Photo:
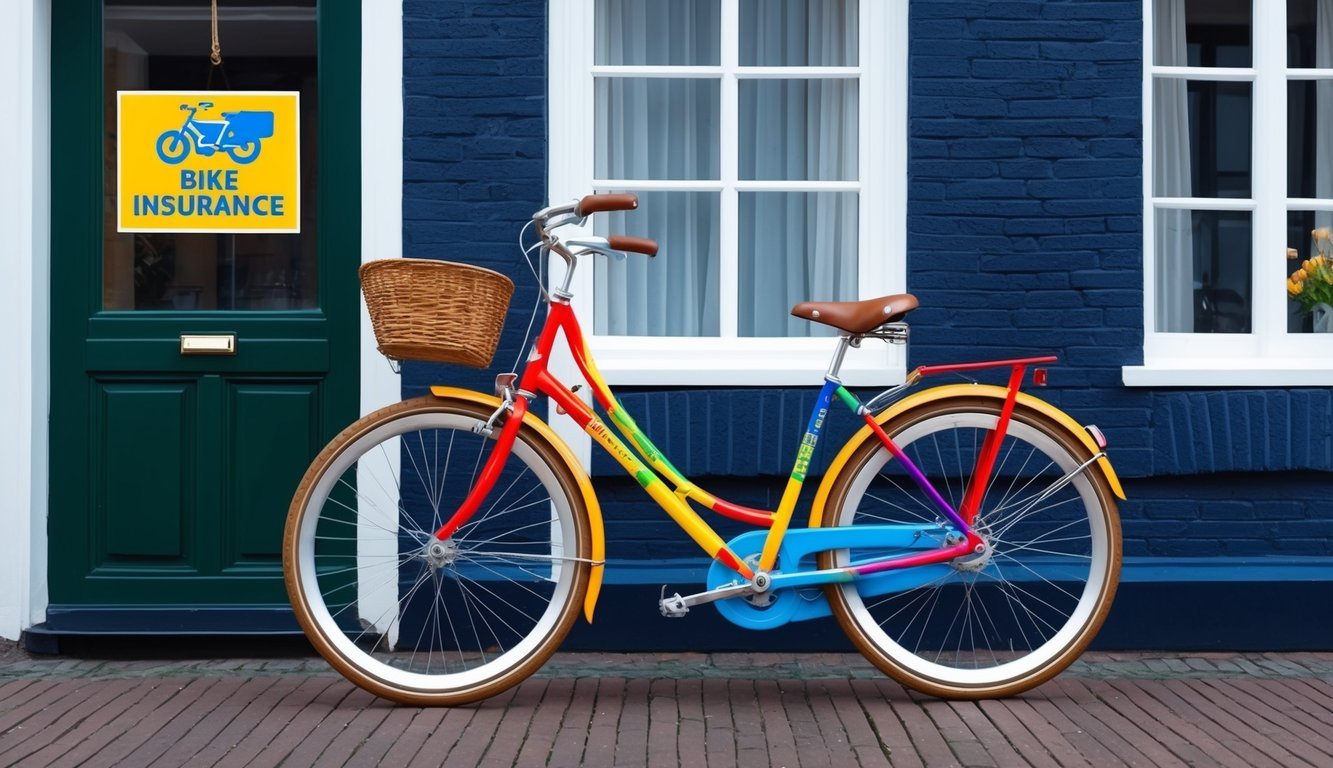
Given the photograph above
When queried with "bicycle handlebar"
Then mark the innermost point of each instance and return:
(556, 216)
(603, 203)
(644, 245)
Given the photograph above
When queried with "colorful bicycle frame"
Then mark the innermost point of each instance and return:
(739, 573)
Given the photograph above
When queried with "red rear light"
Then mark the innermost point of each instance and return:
(1097, 436)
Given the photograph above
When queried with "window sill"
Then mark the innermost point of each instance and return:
(1213, 373)
(639, 361)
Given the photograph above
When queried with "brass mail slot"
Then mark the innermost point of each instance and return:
(208, 345)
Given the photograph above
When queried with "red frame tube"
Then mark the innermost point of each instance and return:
(990, 448)
(931, 370)
(490, 473)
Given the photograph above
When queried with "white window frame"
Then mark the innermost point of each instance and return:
(1268, 355)
(882, 186)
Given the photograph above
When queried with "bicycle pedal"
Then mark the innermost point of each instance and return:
(673, 607)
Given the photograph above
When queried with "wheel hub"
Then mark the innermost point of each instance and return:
(980, 557)
(438, 554)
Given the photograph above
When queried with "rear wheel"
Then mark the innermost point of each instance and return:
(419, 620)
(245, 152)
(998, 622)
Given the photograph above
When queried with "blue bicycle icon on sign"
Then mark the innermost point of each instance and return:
(237, 134)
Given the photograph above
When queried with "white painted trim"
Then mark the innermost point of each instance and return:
(1268, 355)
(1281, 372)
(881, 183)
(381, 174)
(24, 313)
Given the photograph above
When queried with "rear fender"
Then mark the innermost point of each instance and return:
(934, 394)
(575, 470)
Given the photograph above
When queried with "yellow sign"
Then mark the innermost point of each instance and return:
(220, 161)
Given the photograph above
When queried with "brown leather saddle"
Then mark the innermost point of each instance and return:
(857, 317)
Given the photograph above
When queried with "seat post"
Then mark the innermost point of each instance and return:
(844, 341)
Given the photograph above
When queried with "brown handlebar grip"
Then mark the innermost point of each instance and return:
(600, 203)
(636, 244)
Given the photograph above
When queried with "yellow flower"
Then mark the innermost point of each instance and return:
(1294, 289)
(1300, 275)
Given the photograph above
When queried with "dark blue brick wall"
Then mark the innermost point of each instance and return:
(474, 148)
(1024, 236)
(1025, 184)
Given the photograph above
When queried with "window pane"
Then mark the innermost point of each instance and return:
(794, 247)
(1309, 33)
(1202, 138)
(655, 128)
(1201, 33)
(1310, 138)
(1309, 234)
(651, 32)
(675, 293)
(798, 130)
(798, 33)
(143, 49)
(1203, 271)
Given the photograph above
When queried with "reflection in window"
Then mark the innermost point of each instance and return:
(1203, 271)
(265, 48)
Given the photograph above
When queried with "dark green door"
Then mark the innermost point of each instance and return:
(171, 472)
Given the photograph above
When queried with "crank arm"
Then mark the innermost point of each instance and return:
(677, 605)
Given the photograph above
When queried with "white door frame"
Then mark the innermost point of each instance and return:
(25, 304)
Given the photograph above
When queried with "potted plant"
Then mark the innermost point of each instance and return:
(1311, 286)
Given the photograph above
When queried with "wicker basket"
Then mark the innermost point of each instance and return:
(423, 309)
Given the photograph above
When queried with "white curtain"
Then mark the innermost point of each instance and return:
(659, 129)
(1323, 53)
(793, 246)
(1174, 279)
(796, 246)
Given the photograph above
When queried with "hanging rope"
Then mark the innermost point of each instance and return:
(216, 56)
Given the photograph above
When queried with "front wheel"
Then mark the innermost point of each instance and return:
(1004, 620)
(415, 619)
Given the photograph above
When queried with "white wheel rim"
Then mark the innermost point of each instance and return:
(1078, 617)
(393, 676)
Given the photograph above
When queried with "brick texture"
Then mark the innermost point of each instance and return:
(1024, 235)
(474, 148)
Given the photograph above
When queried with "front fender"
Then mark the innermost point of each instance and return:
(947, 391)
(575, 469)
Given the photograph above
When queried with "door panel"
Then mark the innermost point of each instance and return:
(274, 431)
(171, 473)
(147, 440)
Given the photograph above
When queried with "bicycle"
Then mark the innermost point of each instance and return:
(966, 539)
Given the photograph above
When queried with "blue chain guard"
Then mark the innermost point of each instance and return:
(805, 601)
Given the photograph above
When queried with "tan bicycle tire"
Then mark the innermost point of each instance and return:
(307, 608)
(850, 612)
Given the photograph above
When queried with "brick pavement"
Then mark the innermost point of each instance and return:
(668, 710)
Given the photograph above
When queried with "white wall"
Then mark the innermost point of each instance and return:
(24, 312)
(25, 282)
(381, 172)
